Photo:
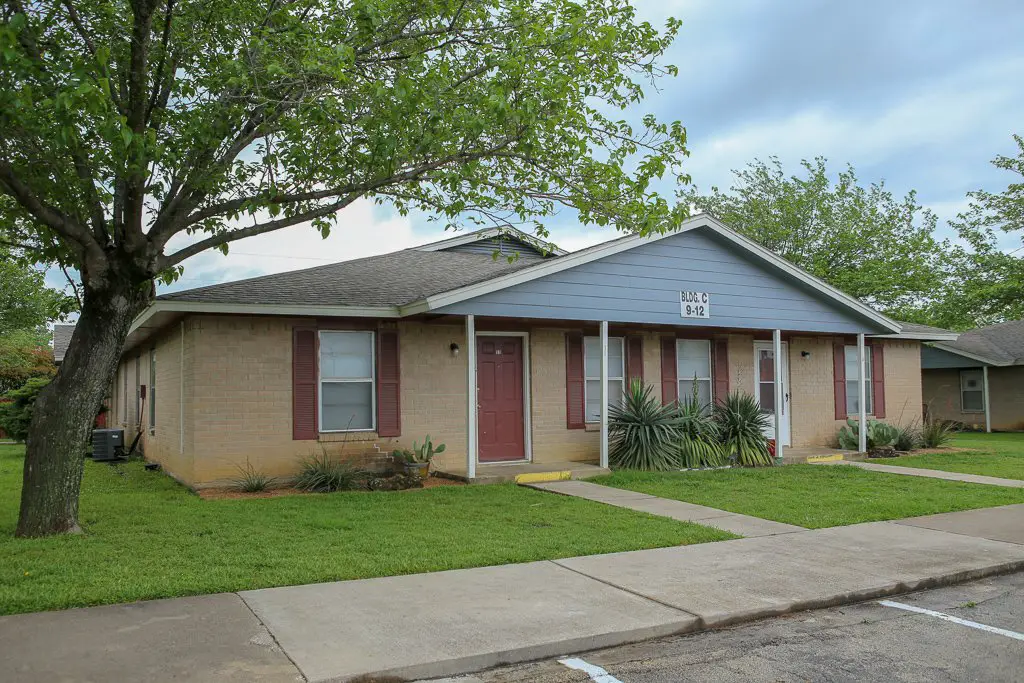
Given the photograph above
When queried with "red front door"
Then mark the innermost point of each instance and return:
(500, 396)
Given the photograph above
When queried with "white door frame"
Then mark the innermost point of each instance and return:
(787, 407)
(527, 440)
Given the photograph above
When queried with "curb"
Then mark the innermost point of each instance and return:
(688, 624)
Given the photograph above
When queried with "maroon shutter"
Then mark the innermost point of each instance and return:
(634, 359)
(669, 383)
(720, 368)
(877, 380)
(389, 387)
(839, 375)
(304, 383)
(574, 381)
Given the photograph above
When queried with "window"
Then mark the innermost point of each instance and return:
(347, 396)
(592, 374)
(852, 375)
(972, 391)
(693, 367)
(151, 397)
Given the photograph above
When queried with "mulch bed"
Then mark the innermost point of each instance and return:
(229, 494)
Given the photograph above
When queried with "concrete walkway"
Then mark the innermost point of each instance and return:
(933, 474)
(744, 525)
(448, 623)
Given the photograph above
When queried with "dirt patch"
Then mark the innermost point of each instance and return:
(432, 482)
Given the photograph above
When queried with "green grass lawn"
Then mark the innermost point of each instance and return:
(148, 537)
(815, 496)
(997, 455)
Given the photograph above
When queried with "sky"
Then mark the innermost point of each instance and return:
(920, 94)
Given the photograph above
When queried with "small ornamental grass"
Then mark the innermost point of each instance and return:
(742, 425)
(322, 474)
(252, 480)
(936, 433)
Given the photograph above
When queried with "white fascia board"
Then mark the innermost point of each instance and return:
(262, 309)
(973, 356)
(919, 336)
(627, 243)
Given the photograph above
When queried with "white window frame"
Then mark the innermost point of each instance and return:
(611, 376)
(963, 406)
(869, 394)
(321, 380)
(709, 379)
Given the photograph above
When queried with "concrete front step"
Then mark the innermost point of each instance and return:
(800, 456)
(526, 473)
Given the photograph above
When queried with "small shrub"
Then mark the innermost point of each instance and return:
(644, 434)
(936, 433)
(16, 415)
(741, 425)
(322, 474)
(251, 480)
(700, 442)
(908, 437)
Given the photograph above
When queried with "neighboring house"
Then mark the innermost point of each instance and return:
(61, 341)
(365, 355)
(978, 379)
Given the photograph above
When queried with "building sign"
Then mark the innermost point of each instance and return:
(694, 304)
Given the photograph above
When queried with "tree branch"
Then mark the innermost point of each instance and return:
(48, 215)
(251, 231)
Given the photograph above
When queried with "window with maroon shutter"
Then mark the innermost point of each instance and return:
(720, 368)
(634, 359)
(574, 381)
(878, 380)
(839, 377)
(389, 407)
(669, 386)
(304, 383)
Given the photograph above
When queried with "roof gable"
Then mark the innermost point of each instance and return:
(642, 284)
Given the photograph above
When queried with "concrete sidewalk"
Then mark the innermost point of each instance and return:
(743, 525)
(932, 474)
(448, 623)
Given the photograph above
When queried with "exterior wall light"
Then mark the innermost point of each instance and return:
(454, 348)
(805, 354)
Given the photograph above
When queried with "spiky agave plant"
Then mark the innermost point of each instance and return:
(741, 425)
(700, 443)
(644, 434)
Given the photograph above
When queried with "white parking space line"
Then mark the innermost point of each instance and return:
(955, 620)
(596, 673)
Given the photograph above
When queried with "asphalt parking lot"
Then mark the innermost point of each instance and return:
(869, 641)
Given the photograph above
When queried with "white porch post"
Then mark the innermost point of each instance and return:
(604, 393)
(471, 398)
(780, 399)
(988, 409)
(862, 397)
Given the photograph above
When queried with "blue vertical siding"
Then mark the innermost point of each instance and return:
(642, 285)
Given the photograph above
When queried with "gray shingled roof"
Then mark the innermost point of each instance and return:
(917, 328)
(1002, 343)
(61, 341)
(391, 279)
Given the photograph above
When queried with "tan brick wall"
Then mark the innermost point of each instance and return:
(741, 363)
(163, 443)
(812, 391)
(1006, 393)
(903, 391)
(552, 441)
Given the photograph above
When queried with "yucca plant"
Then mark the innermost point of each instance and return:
(251, 480)
(908, 437)
(321, 474)
(741, 425)
(700, 443)
(936, 433)
(643, 433)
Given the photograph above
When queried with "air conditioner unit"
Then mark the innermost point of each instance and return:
(107, 444)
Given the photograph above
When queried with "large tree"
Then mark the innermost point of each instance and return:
(984, 282)
(125, 123)
(863, 240)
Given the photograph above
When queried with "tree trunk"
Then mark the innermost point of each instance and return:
(65, 410)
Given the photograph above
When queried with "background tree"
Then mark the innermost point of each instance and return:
(26, 303)
(983, 284)
(25, 354)
(126, 123)
(863, 240)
